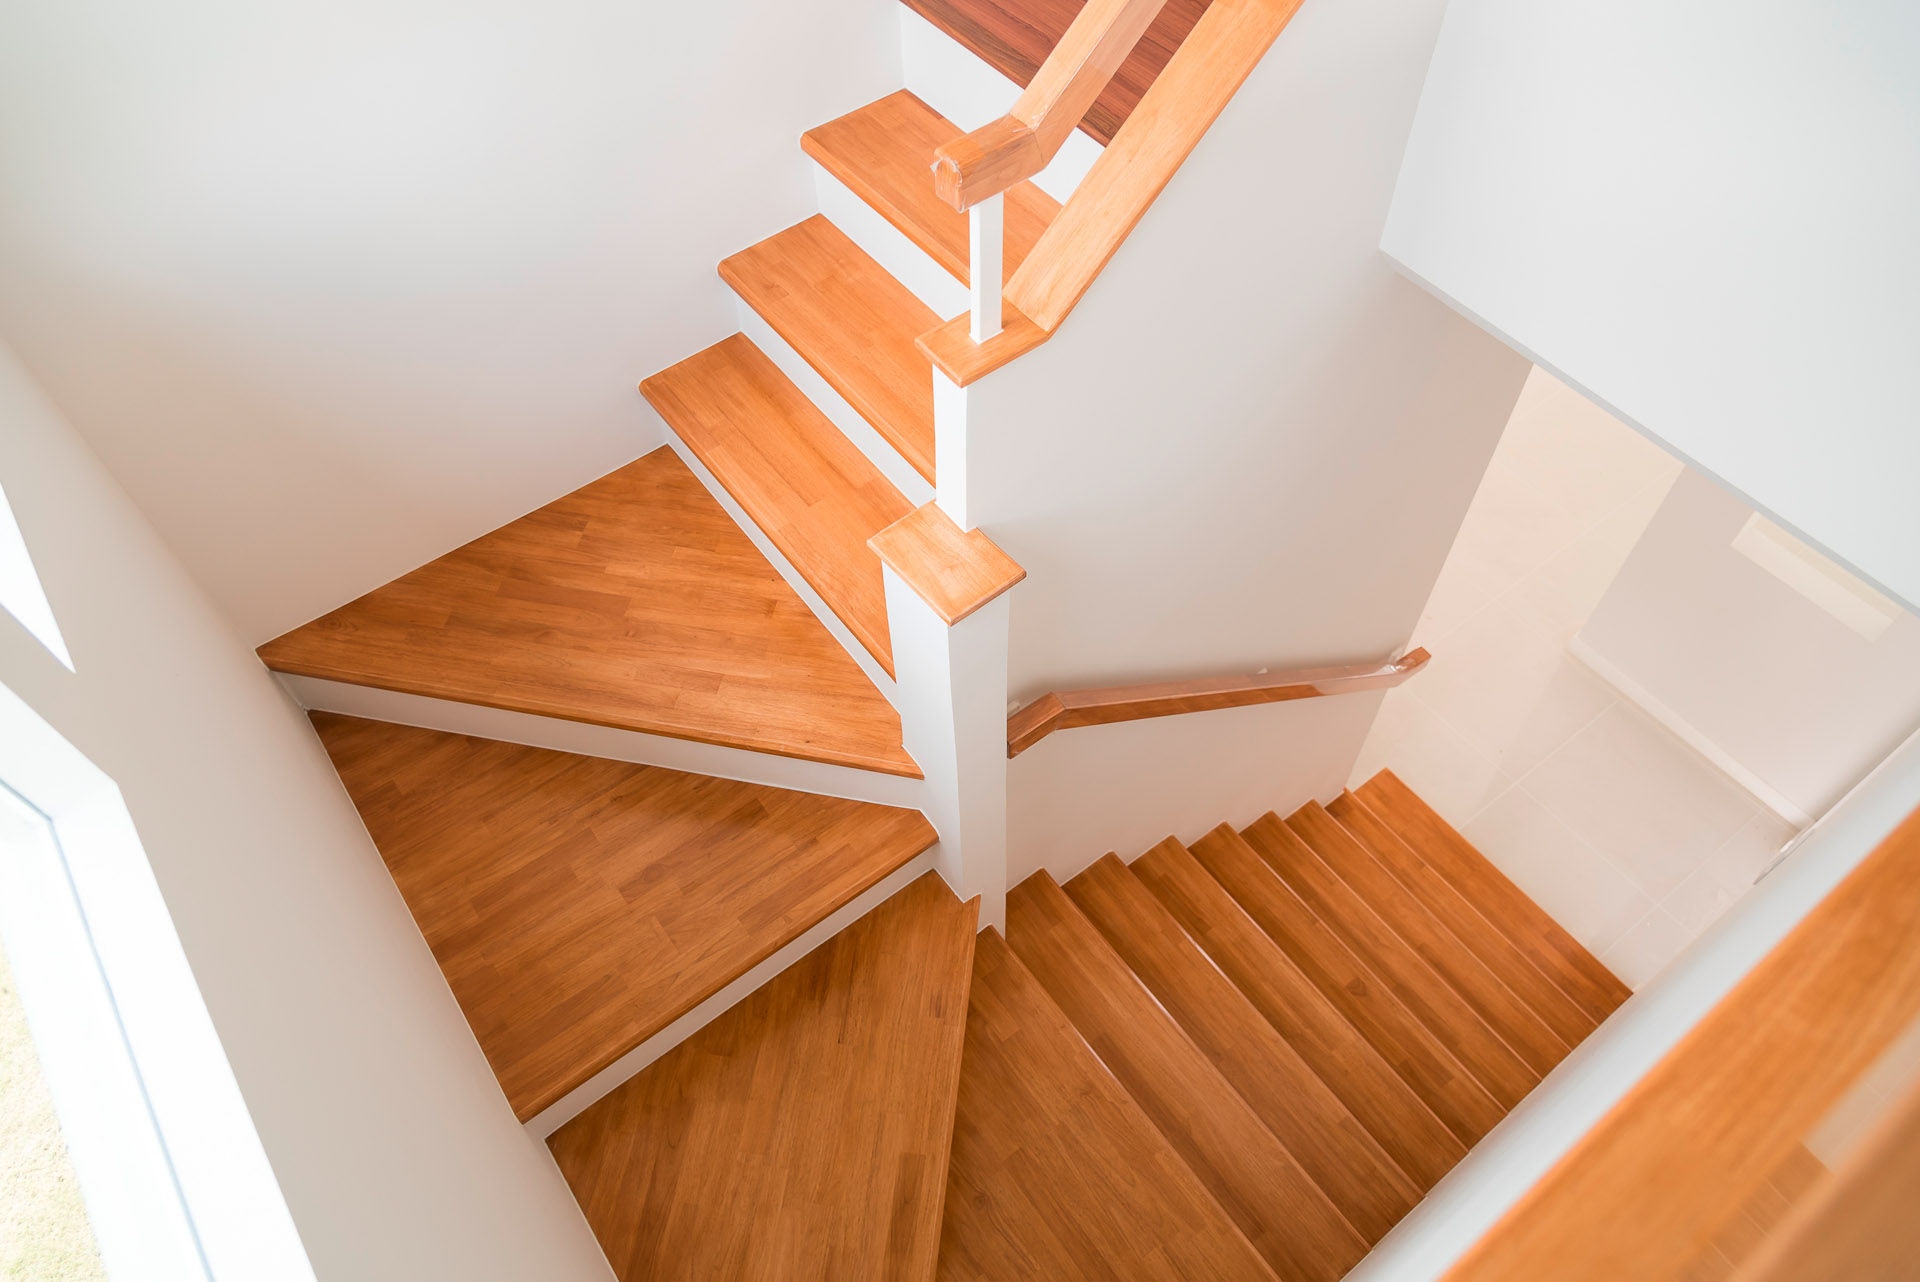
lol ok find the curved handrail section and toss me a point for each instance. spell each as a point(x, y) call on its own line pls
point(1064, 710)
point(1020, 144)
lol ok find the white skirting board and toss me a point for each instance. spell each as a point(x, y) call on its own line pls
point(1685, 731)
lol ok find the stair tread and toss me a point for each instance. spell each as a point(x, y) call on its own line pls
point(1343, 1058)
point(799, 478)
point(1016, 38)
point(1415, 1053)
point(1055, 1172)
point(1286, 1216)
point(883, 153)
point(852, 322)
point(1497, 1005)
point(634, 602)
point(1564, 959)
point(1301, 1110)
point(805, 1131)
point(1498, 953)
point(1427, 995)
point(569, 943)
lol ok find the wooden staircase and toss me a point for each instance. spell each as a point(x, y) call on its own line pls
point(1155, 1076)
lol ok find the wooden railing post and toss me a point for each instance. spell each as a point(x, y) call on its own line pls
point(986, 235)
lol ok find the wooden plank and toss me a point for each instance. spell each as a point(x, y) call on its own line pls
point(1448, 1088)
point(1301, 1110)
point(803, 1133)
point(1577, 971)
point(1496, 1004)
point(954, 572)
point(883, 153)
point(634, 602)
point(1015, 38)
point(1500, 954)
point(1055, 1171)
point(578, 905)
point(852, 322)
point(1286, 1216)
point(808, 488)
point(1429, 997)
point(1685, 1150)
point(1393, 1113)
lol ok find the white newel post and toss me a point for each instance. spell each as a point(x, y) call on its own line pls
point(985, 227)
point(952, 684)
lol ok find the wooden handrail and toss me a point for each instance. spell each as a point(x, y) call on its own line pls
point(1179, 107)
point(1675, 1162)
point(1021, 143)
point(1105, 706)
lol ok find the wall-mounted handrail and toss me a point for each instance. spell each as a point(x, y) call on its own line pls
point(1064, 710)
point(1208, 68)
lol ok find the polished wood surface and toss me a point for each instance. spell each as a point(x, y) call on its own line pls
point(1504, 905)
point(804, 1133)
point(1301, 1110)
point(1107, 705)
point(1020, 144)
point(808, 488)
point(1859, 1225)
point(1224, 46)
point(633, 602)
point(951, 349)
point(579, 905)
point(953, 571)
point(1420, 990)
point(1283, 1213)
point(852, 322)
point(883, 153)
point(1498, 953)
point(1016, 38)
point(1418, 929)
point(1055, 1171)
point(1684, 1151)
point(1449, 1089)
point(1393, 1113)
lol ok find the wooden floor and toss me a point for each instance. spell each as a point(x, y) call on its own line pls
point(884, 153)
point(807, 1126)
point(579, 905)
point(633, 602)
point(1016, 36)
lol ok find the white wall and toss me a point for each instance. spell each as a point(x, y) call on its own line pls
point(1702, 215)
point(1758, 675)
point(1250, 446)
point(396, 1151)
point(334, 287)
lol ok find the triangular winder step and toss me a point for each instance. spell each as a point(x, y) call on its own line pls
point(796, 475)
point(852, 322)
point(883, 153)
point(804, 1133)
point(578, 905)
point(635, 602)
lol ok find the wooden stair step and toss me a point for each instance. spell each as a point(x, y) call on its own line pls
point(1428, 996)
point(1286, 1216)
point(1015, 37)
point(634, 602)
point(852, 322)
point(1426, 1065)
point(1545, 942)
point(1055, 1172)
point(808, 487)
point(1393, 1113)
point(579, 905)
point(883, 153)
point(1497, 1005)
point(804, 1132)
point(1498, 953)
point(1301, 1110)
